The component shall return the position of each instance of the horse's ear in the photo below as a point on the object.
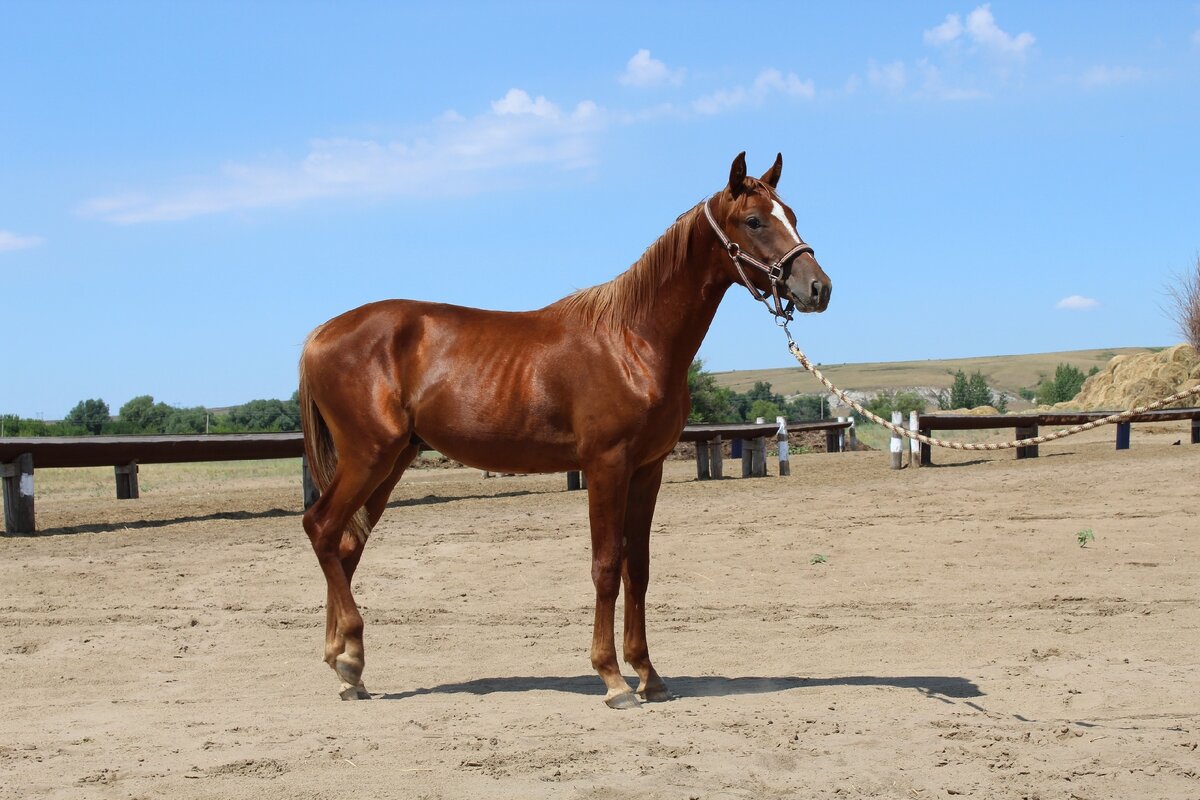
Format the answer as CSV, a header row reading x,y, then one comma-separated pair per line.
x,y
737,175
771,176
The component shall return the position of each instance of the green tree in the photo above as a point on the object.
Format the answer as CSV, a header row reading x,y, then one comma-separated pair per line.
x,y
266,415
978,393
710,403
970,392
1067,382
884,403
959,394
91,415
767,409
804,406
143,415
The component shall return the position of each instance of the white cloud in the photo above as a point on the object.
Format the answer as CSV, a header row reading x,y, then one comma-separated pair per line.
x,y
450,155
644,72
982,30
772,80
14,241
1077,303
768,82
1100,76
945,33
891,77
518,101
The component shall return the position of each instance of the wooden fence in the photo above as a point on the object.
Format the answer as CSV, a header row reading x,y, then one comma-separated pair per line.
x,y
19,457
1026,426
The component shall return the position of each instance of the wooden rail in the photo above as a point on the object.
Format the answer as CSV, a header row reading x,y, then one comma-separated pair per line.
x,y
19,456
1026,425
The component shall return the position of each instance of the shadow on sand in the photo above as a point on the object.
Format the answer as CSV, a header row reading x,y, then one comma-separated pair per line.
x,y
940,687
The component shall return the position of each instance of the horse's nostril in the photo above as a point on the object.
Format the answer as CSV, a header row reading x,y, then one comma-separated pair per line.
x,y
817,290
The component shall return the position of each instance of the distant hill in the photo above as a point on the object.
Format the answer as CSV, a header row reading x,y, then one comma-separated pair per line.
x,y
1004,373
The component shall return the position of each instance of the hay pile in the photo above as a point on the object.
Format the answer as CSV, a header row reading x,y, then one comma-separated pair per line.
x,y
1135,380
976,411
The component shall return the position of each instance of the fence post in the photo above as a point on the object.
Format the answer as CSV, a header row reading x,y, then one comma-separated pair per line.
x,y
703,472
914,446
18,494
1196,431
853,435
897,453
716,459
311,495
575,481
927,450
127,480
781,439
1123,435
758,457
1028,432
747,449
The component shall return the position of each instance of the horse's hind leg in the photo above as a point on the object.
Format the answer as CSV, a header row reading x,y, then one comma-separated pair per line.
x,y
338,546
635,572
350,551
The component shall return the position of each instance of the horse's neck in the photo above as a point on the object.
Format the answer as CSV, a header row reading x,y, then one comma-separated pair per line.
x,y
683,305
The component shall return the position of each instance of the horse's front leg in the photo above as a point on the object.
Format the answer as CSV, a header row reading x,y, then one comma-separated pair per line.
x,y
643,494
608,489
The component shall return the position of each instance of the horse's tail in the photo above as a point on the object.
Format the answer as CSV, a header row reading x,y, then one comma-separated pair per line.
x,y
319,448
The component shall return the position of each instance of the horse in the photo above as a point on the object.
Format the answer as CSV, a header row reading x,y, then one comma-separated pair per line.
x,y
596,381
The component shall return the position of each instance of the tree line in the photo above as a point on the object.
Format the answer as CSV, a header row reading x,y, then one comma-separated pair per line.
x,y
713,403
143,415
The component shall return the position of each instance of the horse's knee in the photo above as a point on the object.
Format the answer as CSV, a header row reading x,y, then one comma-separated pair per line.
x,y
607,579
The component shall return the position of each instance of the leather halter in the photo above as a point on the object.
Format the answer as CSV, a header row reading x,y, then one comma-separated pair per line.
x,y
776,271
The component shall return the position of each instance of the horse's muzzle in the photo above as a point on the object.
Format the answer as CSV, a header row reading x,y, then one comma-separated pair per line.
x,y
808,285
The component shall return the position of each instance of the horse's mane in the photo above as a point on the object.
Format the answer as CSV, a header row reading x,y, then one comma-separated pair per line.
x,y
628,298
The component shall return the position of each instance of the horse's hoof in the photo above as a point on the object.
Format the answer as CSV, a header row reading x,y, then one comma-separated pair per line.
x,y
358,692
349,670
657,694
622,701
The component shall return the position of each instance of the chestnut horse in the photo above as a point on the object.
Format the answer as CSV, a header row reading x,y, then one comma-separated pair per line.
x,y
594,382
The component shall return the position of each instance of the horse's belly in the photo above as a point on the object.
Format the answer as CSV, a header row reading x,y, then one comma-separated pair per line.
x,y
501,451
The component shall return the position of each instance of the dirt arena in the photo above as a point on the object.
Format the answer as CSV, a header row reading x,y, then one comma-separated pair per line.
x,y
956,640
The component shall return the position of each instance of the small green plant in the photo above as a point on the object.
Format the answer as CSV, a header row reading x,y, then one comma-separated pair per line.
x,y
818,558
1084,536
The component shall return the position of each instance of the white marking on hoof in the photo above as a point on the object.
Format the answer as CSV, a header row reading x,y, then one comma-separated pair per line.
x,y
621,699
354,692
347,670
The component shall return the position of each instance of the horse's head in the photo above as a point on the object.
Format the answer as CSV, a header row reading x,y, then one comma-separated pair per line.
x,y
758,231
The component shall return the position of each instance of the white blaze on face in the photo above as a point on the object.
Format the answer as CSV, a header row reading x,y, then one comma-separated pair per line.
x,y
777,213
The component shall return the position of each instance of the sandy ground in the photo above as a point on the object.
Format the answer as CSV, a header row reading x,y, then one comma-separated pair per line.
x,y
956,641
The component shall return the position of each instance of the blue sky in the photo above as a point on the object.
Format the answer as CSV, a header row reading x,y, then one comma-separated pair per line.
x,y
189,188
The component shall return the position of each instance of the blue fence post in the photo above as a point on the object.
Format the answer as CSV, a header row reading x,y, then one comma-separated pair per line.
x,y
1123,435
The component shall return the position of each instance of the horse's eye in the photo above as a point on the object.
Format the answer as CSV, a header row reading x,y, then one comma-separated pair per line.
x,y
753,223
